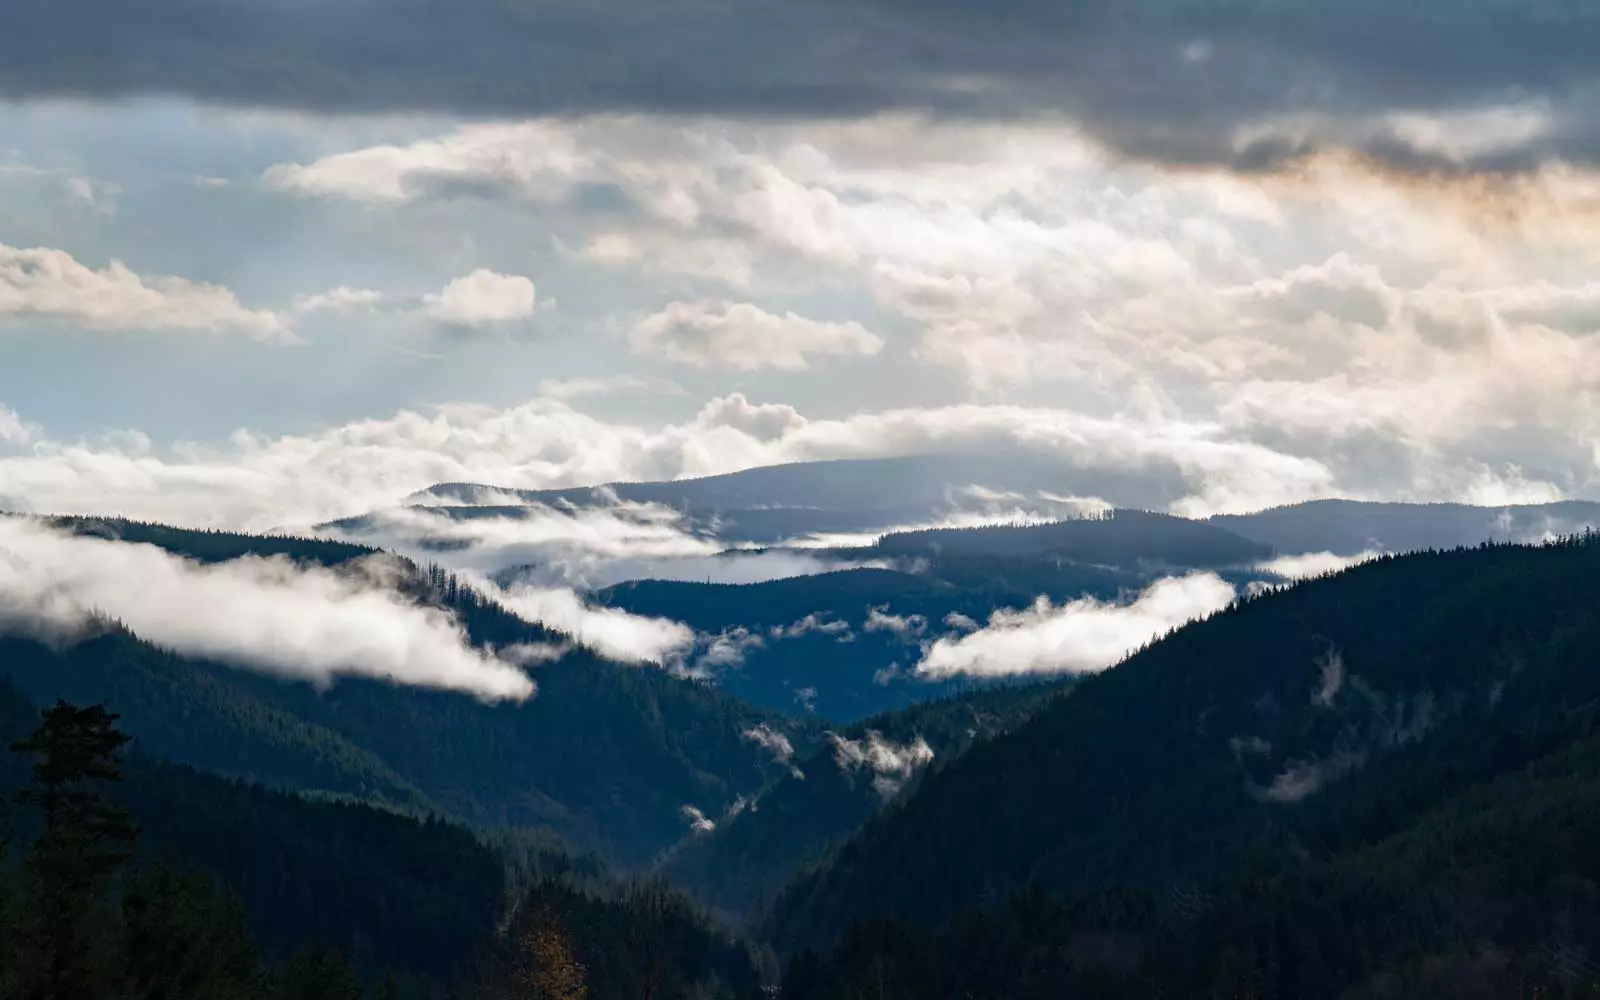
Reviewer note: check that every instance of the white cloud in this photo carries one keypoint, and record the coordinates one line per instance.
(891, 764)
(697, 819)
(778, 744)
(611, 632)
(902, 627)
(1079, 637)
(42, 283)
(718, 334)
(12, 430)
(610, 385)
(728, 649)
(269, 615)
(1307, 565)
(482, 298)
(341, 299)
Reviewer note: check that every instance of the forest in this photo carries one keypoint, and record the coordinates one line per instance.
(1383, 782)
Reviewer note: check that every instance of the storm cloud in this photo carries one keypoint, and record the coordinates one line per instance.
(1434, 84)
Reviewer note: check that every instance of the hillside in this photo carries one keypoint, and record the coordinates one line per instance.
(607, 755)
(1246, 730)
(1124, 538)
(1350, 527)
(850, 638)
(738, 868)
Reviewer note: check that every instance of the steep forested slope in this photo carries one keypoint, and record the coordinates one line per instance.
(738, 868)
(1415, 675)
(606, 754)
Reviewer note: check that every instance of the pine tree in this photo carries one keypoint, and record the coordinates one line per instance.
(83, 842)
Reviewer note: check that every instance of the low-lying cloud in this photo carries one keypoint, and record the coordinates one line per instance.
(1308, 565)
(891, 764)
(269, 615)
(611, 632)
(1082, 636)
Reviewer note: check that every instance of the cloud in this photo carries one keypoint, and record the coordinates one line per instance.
(1079, 637)
(813, 622)
(1330, 679)
(307, 623)
(891, 764)
(782, 750)
(611, 632)
(1426, 86)
(588, 547)
(1307, 565)
(718, 334)
(611, 385)
(482, 298)
(698, 823)
(902, 627)
(341, 299)
(46, 284)
(728, 649)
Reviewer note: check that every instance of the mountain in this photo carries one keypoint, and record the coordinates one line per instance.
(845, 644)
(1350, 527)
(1122, 538)
(769, 504)
(606, 755)
(737, 868)
(396, 892)
(1329, 713)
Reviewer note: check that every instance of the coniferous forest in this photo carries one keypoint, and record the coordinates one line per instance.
(1382, 782)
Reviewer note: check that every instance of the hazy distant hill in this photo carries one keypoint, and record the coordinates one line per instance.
(1349, 527)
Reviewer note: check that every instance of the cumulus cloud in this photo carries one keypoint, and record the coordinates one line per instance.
(1079, 637)
(718, 334)
(611, 632)
(891, 764)
(483, 298)
(269, 615)
(47, 284)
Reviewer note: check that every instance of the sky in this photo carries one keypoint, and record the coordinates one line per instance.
(268, 262)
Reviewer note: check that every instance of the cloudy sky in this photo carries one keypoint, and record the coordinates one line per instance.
(264, 262)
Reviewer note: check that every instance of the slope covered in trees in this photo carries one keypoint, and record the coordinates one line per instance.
(1123, 538)
(607, 755)
(1350, 527)
(738, 868)
(1403, 681)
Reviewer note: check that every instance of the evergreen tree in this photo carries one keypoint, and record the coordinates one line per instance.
(65, 951)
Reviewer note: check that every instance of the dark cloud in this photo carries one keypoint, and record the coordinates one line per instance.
(1171, 80)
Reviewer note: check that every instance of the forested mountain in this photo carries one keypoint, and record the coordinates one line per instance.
(1121, 538)
(193, 887)
(1322, 717)
(1350, 527)
(607, 755)
(738, 868)
(772, 503)
(844, 644)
